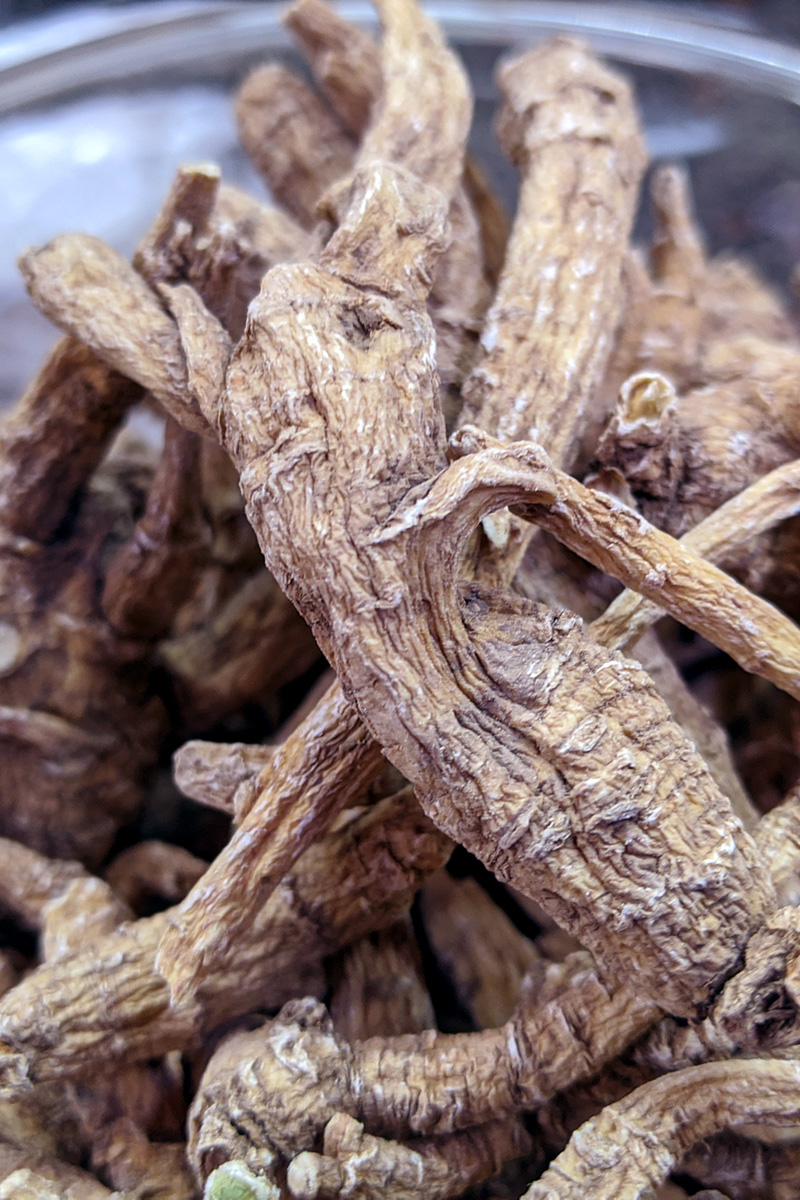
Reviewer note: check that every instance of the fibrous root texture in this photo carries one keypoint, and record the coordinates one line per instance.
(369, 829)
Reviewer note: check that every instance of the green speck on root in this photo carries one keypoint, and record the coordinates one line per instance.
(234, 1181)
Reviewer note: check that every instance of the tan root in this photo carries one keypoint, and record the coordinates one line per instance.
(632, 1145)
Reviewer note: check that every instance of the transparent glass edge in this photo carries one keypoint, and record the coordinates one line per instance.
(168, 35)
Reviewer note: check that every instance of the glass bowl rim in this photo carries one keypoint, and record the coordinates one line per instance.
(44, 59)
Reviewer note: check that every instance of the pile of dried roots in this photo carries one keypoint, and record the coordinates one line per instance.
(453, 444)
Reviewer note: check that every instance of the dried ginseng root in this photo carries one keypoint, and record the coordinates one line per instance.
(476, 946)
(356, 879)
(355, 1163)
(80, 721)
(270, 1093)
(386, 546)
(345, 62)
(377, 985)
(294, 141)
(628, 1149)
(442, 514)
(747, 1168)
(378, 990)
(731, 420)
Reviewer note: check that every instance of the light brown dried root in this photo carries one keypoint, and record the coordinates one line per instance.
(476, 946)
(79, 720)
(252, 644)
(271, 1092)
(326, 763)
(707, 734)
(492, 219)
(454, 501)
(377, 986)
(446, 511)
(758, 1001)
(366, 566)
(355, 1163)
(345, 61)
(745, 1167)
(422, 117)
(113, 310)
(356, 879)
(219, 240)
(346, 65)
(295, 143)
(153, 870)
(54, 439)
(673, 315)
(632, 1145)
(139, 1169)
(720, 538)
(211, 772)
(47, 1179)
(154, 572)
(614, 538)
(544, 577)
(698, 307)
(685, 456)
(570, 125)
(778, 839)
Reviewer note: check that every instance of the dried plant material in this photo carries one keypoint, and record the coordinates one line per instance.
(211, 772)
(476, 946)
(52, 1181)
(673, 324)
(79, 716)
(219, 240)
(492, 219)
(745, 1167)
(309, 779)
(476, 483)
(622, 362)
(662, 1120)
(757, 1007)
(378, 987)
(459, 497)
(252, 644)
(617, 540)
(698, 307)
(528, 739)
(356, 879)
(93, 290)
(778, 839)
(153, 870)
(422, 118)
(295, 143)
(571, 127)
(55, 437)
(720, 538)
(154, 572)
(546, 576)
(271, 1092)
(355, 1163)
(345, 61)
(140, 1169)
(684, 456)
(706, 733)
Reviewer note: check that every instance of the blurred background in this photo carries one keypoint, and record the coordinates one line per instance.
(779, 16)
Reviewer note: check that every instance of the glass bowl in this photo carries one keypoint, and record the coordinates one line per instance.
(99, 106)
